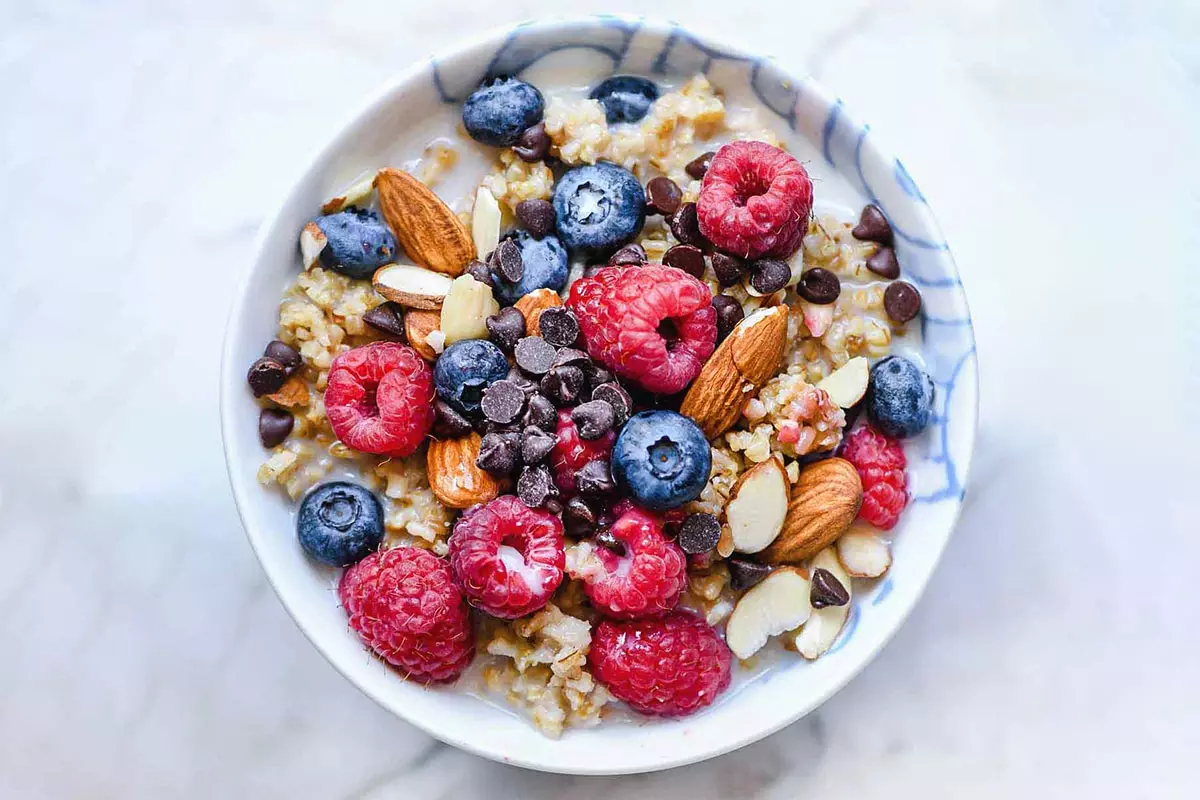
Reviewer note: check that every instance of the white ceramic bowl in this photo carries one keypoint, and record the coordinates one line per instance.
(852, 168)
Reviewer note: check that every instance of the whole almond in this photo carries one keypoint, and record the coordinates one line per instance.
(431, 234)
(453, 476)
(533, 304)
(418, 325)
(824, 502)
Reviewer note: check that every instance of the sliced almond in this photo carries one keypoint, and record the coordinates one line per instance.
(293, 393)
(353, 196)
(824, 624)
(757, 506)
(465, 312)
(420, 327)
(824, 502)
(863, 552)
(485, 222)
(817, 318)
(777, 605)
(414, 287)
(847, 384)
(431, 234)
(312, 242)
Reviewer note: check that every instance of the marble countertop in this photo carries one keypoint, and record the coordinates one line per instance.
(144, 654)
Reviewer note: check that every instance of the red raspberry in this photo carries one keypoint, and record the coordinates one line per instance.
(379, 399)
(880, 463)
(507, 557)
(653, 325)
(405, 606)
(755, 201)
(572, 452)
(646, 580)
(668, 667)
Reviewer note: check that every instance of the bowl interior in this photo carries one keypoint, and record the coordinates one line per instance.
(851, 169)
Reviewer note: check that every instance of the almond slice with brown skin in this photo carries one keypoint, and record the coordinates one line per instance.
(413, 287)
(777, 605)
(847, 384)
(758, 506)
(430, 233)
(824, 624)
(420, 328)
(863, 552)
(824, 502)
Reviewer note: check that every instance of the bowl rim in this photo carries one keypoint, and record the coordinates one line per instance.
(229, 383)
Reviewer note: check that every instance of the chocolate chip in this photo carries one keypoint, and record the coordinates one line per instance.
(563, 385)
(662, 197)
(728, 269)
(388, 319)
(884, 264)
(266, 376)
(729, 314)
(535, 486)
(541, 413)
(819, 286)
(274, 425)
(579, 516)
(594, 419)
(533, 144)
(497, 454)
(288, 356)
(769, 275)
(617, 398)
(687, 258)
(873, 226)
(509, 264)
(744, 573)
(595, 478)
(699, 534)
(506, 328)
(480, 272)
(536, 216)
(686, 227)
(502, 401)
(559, 326)
(902, 301)
(629, 254)
(698, 166)
(448, 423)
(536, 444)
(529, 387)
(827, 590)
(606, 540)
(596, 375)
(534, 355)
(569, 356)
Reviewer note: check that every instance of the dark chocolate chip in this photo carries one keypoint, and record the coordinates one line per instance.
(579, 517)
(534, 355)
(533, 144)
(594, 418)
(629, 254)
(497, 455)
(503, 402)
(559, 326)
(448, 423)
(699, 534)
(480, 272)
(563, 385)
(595, 478)
(535, 486)
(569, 356)
(554, 506)
(274, 425)
(536, 444)
(606, 540)
(596, 375)
(288, 356)
(686, 257)
(662, 197)
(744, 573)
(616, 397)
(902, 302)
(729, 314)
(506, 328)
(884, 264)
(387, 319)
(536, 216)
(698, 166)
(873, 226)
(266, 376)
(769, 275)
(529, 387)
(541, 413)
(686, 227)
(827, 590)
(509, 264)
(819, 286)
(728, 269)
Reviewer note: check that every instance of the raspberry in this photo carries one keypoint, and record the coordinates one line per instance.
(651, 324)
(880, 463)
(572, 452)
(755, 201)
(668, 667)
(507, 557)
(405, 607)
(379, 399)
(644, 581)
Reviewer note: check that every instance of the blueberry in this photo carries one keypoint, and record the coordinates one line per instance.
(626, 98)
(359, 242)
(599, 208)
(662, 459)
(899, 398)
(500, 110)
(464, 370)
(340, 523)
(545, 267)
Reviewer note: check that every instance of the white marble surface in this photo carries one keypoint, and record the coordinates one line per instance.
(142, 654)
